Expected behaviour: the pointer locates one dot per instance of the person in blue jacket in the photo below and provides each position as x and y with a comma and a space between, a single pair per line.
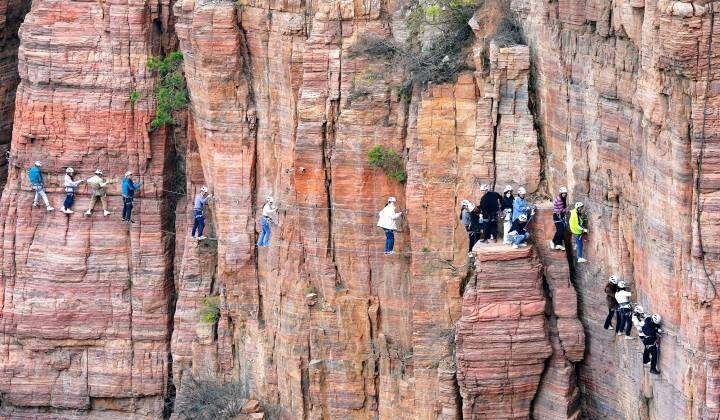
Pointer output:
38, 185
520, 206
128, 193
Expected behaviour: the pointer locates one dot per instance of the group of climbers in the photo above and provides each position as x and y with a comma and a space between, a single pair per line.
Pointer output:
648, 328
97, 186
576, 223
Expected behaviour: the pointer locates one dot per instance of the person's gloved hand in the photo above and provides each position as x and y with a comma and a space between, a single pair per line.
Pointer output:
585, 230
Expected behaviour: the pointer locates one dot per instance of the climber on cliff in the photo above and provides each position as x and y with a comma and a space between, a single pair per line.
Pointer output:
610, 290
70, 187
638, 320
201, 199
128, 194
622, 296
507, 208
490, 204
520, 206
97, 185
559, 212
577, 228
518, 233
267, 218
470, 218
651, 330
38, 185
388, 222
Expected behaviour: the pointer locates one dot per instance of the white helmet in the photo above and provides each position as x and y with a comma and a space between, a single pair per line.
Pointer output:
38, 163
656, 318
621, 284
563, 190
522, 217
508, 188
69, 170
639, 309
204, 189
269, 199
128, 173
484, 187
579, 204
521, 191
613, 279
466, 203
98, 172
391, 200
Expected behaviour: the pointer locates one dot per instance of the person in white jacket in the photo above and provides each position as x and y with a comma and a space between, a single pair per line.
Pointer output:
625, 307
70, 187
97, 185
388, 221
266, 219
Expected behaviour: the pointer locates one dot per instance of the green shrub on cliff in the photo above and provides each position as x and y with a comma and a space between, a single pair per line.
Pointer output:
170, 92
389, 161
210, 311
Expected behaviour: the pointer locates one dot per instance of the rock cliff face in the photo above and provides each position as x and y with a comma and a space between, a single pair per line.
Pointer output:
617, 100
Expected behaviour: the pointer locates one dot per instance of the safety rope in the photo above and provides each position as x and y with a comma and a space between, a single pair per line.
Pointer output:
698, 210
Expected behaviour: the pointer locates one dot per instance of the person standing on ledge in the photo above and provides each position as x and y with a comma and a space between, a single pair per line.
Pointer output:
520, 206
97, 184
610, 290
470, 218
622, 296
490, 204
128, 193
38, 185
559, 212
201, 200
267, 219
651, 330
577, 228
507, 208
388, 222
70, 187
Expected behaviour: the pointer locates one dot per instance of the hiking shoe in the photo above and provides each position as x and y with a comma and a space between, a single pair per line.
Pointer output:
484, 241
88, 213
106, 213
516, 246
629, 337
470, 254
200, 238
50, 208
610, 328
654, 371
67, 211
35, 203
559, 247
581, 260
524, 244
619, 333
130, 221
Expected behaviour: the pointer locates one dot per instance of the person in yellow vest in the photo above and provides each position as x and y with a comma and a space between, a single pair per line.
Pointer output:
577, 227
97, 185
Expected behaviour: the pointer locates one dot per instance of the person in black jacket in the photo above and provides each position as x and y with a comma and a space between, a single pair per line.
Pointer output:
651, 331
518, 234
610, 290
490, 208
470, 218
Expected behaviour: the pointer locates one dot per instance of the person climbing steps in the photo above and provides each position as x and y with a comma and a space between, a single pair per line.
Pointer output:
70, 187
38, 185
622, 296
128, 194
201, 199
97, 185
577, 228
610, 290
387, 220
651, 330
267, 218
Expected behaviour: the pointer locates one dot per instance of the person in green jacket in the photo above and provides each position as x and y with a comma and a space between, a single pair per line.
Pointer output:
577, 227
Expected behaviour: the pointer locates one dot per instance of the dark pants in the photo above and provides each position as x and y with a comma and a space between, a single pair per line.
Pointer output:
199, 224
559, 238
127, 208
608, 318
651, 355
389, 240
625, 321
489, 228
69, 200
473, 237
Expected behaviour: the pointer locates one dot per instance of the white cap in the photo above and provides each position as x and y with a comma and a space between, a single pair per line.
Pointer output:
204, 189
269, 199
563, 190
391, 200
522, 217
38, 163
98, 172
508, 188
69, 170
466, 203
128, 173
656, 318
621, 284
521, 191
639, 309
579, 204
484, 187
613, 279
